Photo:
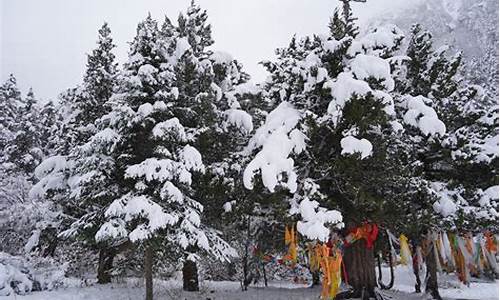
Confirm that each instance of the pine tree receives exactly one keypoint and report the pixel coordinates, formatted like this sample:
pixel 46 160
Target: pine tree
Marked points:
pixel 147 155
pixel 208 86
pixel 438 160
pixel 24 150
pixel 83 105
pixel 49 124
pixel 19 144
pixel 10 100
pixel 335 116
pixel 70 126
pixel 195 27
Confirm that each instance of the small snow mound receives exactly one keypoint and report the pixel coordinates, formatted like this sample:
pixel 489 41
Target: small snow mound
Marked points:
pixel 366 66
pixel 315 220
pixel 342 89
pixel 241 119
pixel 488 195
pixel 422 116
pixel 352 145
pixel 221 57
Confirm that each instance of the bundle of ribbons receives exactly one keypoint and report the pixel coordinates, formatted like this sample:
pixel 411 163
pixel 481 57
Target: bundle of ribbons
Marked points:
pixel 464 254
pixel 328 260
pixel 291 242
pixel 367 231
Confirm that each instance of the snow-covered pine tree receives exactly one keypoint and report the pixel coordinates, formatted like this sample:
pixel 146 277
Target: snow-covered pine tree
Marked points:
pixel 10 100
pixel 82 105
pixel 326 139
pixel 71 126
pixel 19 142
pixel 24 151
pixel 144 153
pixel 209 85
pixel 443 112
pixel 49 122
pixel 470 121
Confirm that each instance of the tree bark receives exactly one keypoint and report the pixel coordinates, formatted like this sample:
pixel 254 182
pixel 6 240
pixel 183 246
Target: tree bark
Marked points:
pixel 360 268
pixel 264 273
pixel 418 283
pixel 190 276
pixel 315 278
pixel 431 286
pixel 106 257
pixel 148 271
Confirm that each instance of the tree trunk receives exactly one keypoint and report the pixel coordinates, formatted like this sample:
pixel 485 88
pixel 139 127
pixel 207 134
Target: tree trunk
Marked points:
pixel 264 273
pixel 244 262
pixel 416 271
pixel 416 267
pixel 148 271
pixel 360 268
pixel 190 276
pixel 431 286
pixel 315 279
pixel 106 256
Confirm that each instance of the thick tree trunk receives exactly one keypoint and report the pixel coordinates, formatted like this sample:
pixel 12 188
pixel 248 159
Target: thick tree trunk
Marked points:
pixel 106 256
pixel 431 286
pixel 148 271
pixel 190 276
pixel 360 268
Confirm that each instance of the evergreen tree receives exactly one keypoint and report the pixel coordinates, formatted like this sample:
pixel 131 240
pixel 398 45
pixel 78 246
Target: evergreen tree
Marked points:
pixel 144 154
pixel 335 117
pixel 24 150
pixel 83 105
pixel 438 166
pixel 10 100
pixel 70 126
pixel 195 27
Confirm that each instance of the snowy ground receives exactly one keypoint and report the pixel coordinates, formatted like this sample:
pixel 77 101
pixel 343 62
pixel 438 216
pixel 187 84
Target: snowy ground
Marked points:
pixel 132 289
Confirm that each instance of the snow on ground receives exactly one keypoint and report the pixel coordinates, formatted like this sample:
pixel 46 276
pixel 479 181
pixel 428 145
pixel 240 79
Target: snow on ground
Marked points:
pixel 133 289
pixel 449 286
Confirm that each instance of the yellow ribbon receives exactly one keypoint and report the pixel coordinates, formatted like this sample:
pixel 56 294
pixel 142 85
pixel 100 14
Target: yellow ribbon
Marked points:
pixel 330 265
pixel 291 241
pixel 405 250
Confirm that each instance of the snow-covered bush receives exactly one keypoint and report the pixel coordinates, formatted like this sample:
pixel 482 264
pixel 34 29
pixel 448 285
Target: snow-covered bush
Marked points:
pixel 19 275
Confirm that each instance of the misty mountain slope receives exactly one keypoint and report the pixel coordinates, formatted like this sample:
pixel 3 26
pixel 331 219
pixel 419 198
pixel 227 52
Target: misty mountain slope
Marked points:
pixel 466 25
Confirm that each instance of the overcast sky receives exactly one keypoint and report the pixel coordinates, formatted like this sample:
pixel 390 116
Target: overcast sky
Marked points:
pixel 44 43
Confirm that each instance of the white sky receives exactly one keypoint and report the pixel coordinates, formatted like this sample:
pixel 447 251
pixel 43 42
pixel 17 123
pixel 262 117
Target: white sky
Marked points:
pixel 44 43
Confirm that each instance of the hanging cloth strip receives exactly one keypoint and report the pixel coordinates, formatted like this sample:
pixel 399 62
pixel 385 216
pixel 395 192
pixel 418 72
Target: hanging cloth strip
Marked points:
pixel 471 249
pixel 490 249
pixel 392 240
pixel 330 266
pixel 405 252
pixel 315 255
pixel 367 231
pixel 291 242
pixel 442 253
pixel 491 246
pixel 450 261
pixel 419 260
pixel 436 253
pixel 463 259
